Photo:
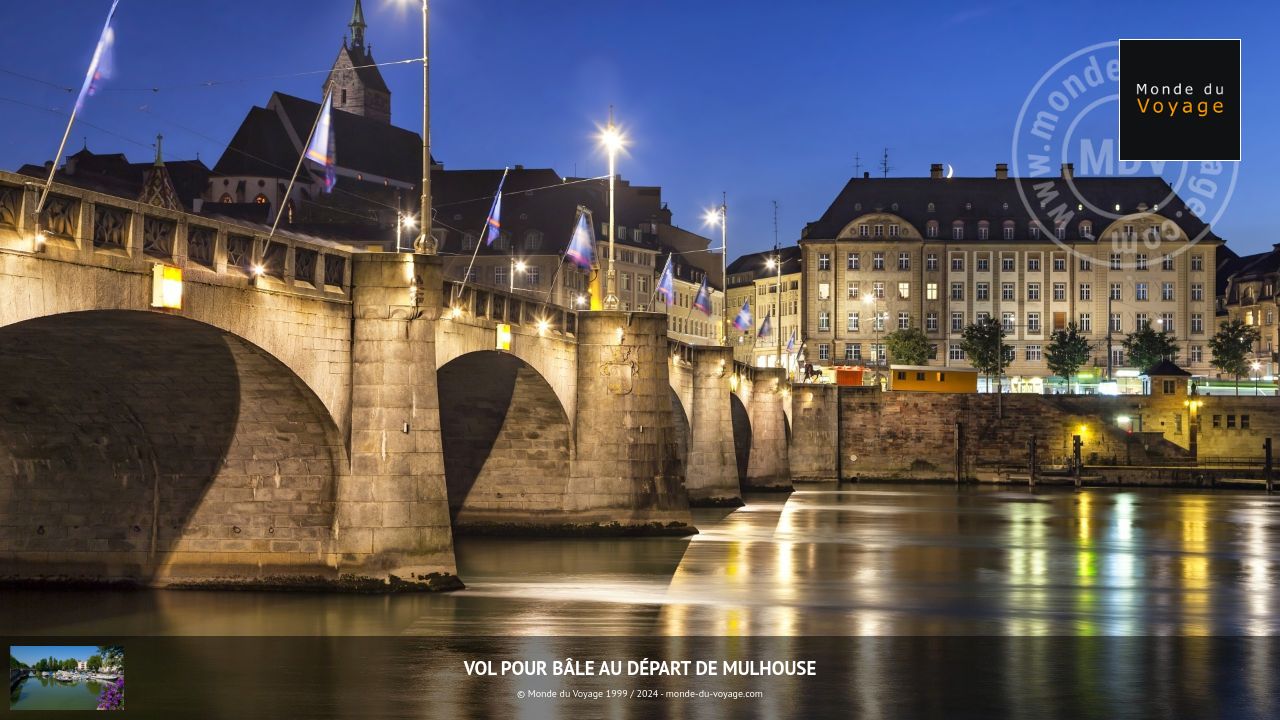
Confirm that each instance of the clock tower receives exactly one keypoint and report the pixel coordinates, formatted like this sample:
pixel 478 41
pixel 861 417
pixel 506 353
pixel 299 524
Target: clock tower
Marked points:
pixel 358 87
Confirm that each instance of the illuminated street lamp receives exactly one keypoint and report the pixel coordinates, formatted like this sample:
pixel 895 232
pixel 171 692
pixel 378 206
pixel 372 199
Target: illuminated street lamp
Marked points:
pixel 613 140
pixel 517 266
pixel 870 299
pixel 775 263
pixel 407 222
pixel 422 245
pixel 1257 367
pixel 720 216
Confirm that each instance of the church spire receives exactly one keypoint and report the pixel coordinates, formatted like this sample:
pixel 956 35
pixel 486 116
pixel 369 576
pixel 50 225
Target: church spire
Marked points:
pixel 357 26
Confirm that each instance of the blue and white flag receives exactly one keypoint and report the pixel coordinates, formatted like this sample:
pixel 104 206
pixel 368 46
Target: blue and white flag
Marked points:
pixel 791 341
pixel 702 301
pixel 100 65
pixel 582 248
pixel 666 284
pixel 320 149
pixel 766 327
pixel 493 225
pixel 743 321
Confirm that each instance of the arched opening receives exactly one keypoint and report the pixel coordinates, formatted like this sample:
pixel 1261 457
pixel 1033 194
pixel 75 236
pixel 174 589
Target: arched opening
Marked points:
pixel 506 441
pixel 135 445
pixel 741 435
pixel 680 429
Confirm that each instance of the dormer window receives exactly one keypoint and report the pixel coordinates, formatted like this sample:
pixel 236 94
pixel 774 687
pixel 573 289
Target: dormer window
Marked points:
pixel 1086 229
pixel 1007 229
pixel 984 230
pixel 931 207
pixel 957 230
pixel 931 227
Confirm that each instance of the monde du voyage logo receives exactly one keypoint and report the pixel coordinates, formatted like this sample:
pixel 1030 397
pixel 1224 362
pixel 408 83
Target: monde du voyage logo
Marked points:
pixel 1180 100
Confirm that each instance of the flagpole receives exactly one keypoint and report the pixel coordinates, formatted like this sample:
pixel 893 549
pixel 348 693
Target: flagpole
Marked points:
pixel 467 275
pixel 301 156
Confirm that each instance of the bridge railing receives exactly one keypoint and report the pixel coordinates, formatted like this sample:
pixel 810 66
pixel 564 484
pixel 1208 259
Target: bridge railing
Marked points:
pixel 487 303
pixel 93 228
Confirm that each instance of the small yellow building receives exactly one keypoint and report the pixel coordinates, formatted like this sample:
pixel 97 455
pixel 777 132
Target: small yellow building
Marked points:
pixel 923 378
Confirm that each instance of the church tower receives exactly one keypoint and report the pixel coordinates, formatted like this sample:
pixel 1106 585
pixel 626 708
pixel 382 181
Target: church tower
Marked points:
pixel 357 84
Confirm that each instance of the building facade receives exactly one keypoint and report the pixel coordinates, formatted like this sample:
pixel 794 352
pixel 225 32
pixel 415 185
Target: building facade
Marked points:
pixel 940 253
pixel 754 280
pixel 1249 295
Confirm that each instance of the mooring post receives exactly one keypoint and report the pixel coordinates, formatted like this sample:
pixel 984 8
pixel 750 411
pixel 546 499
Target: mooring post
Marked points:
pixel 959 445
pixel 1031 462
pixel 1076 445
pixel 1266 467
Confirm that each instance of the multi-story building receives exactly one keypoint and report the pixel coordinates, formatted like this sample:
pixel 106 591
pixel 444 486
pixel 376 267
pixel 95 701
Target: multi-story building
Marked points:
pixel 940 253
pixel 754 279
pixel 1249 294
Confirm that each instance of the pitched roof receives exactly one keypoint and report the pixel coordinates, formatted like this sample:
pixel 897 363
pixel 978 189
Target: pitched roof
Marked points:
pixel 755 266
pixel 366 68
pixel 263 146
pixel 972 199
pixel 1165 368
pixel 113 174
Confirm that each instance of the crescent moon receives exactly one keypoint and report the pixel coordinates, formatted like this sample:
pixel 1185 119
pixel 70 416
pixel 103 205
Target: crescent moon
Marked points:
pixel 950 171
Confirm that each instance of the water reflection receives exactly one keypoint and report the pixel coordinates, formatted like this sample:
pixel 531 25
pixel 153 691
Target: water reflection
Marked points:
pixel 827 560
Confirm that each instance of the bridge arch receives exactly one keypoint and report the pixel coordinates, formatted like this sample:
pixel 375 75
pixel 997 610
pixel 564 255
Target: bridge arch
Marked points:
pixel 145 446
pixel 507 441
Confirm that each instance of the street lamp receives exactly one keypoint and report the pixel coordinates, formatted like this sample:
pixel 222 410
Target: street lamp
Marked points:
pixel 407 222
pixel 775 263
pixel 613 140
pixel 517 266
pixel 720 216
pixel 870 299
pixel 422 244
pixel 1257 367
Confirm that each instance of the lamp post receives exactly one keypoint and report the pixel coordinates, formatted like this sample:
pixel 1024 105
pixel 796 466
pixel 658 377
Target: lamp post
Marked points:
pixel 720 216
pixel 870 299
pixel 517 266
pixel 775 263
pixel 1257 368
pixel 426 136
pixel 611 138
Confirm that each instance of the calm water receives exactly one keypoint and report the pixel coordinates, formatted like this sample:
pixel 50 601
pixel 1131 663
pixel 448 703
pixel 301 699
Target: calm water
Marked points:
pixel 1051 604
pixel 39 693
pixel 858 560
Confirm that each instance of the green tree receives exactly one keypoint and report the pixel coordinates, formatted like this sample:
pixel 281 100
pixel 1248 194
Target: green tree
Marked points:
pixel 1066 352
pixel 95 663
pixel 1147 347
pixel 907 347
pixel 983 343
pixel 112 655
pixel 1231 346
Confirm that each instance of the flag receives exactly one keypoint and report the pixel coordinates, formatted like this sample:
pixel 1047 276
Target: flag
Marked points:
pixel 666 284
pixel 493 225
pixel 702 300
pixel 743 320
pixel 320 149
pixel 582 247
pixel 100 65
pixel 791 341
pixel 766 327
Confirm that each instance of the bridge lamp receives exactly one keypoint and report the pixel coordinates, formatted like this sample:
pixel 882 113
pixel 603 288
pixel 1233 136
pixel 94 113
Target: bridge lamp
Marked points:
pixel 543 326
pixel 503 341
pixel 258 270
pixel 613 141
pixel 166 287
pixel 580 301
pixel 39 239
pixel 409 221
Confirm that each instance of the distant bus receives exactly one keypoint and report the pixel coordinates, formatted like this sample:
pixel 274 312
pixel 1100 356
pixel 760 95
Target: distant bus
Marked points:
pixel 922 378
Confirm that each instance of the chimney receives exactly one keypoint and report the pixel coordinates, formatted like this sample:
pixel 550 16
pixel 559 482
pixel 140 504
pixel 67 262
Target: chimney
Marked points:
pixel 866 174
pixel 935 171
pixel 1068 170
pixel 1002 171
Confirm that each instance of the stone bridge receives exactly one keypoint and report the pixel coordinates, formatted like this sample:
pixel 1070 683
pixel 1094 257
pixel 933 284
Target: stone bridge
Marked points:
pixel 316 414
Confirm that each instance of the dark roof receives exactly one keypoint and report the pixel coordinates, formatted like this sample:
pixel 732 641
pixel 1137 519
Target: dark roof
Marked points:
pixel 683 269
pixel 539 200
pixel 366 68
pixel 754 266
pixel 263 147
pixel 972 199
pixel 113 174
pixel 1166 368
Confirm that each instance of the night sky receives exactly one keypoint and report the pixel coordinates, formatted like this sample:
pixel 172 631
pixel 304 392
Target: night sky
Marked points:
pixel 763 100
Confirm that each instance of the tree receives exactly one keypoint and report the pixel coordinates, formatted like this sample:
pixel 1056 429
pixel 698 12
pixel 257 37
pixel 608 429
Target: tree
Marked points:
pixel 1147 347
pixel 1066 352
pixel 1231 346
pixel 95 663
pixel 112 655
pixel 983 344
pixel 907 347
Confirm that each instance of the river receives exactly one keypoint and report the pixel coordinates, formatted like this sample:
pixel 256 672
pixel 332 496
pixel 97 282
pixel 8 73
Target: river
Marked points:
pixel 893 569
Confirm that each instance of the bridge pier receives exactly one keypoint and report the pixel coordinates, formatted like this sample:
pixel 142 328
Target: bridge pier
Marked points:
pixel 391 523
pixel 768 467
pixel 625 471
pixel 711 473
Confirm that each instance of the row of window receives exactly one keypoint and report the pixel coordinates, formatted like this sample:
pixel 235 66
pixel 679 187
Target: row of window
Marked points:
pixel 1009 229
pixel 1141 261
pixel 1030 353
pixel 691 326
pixel 1032 325
pixel 1008 291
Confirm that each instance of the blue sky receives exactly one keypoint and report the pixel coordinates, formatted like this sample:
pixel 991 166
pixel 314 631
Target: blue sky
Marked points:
pixel 763 100
pixel 29 654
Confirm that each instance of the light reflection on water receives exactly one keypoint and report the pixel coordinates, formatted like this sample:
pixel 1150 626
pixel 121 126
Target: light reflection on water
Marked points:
pixel 853 560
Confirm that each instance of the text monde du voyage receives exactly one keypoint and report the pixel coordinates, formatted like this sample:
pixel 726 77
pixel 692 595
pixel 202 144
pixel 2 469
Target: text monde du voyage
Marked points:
pixel 1179 100
pixel 640 668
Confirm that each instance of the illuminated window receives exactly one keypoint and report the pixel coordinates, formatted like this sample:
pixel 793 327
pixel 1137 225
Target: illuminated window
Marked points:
pixel 261 199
